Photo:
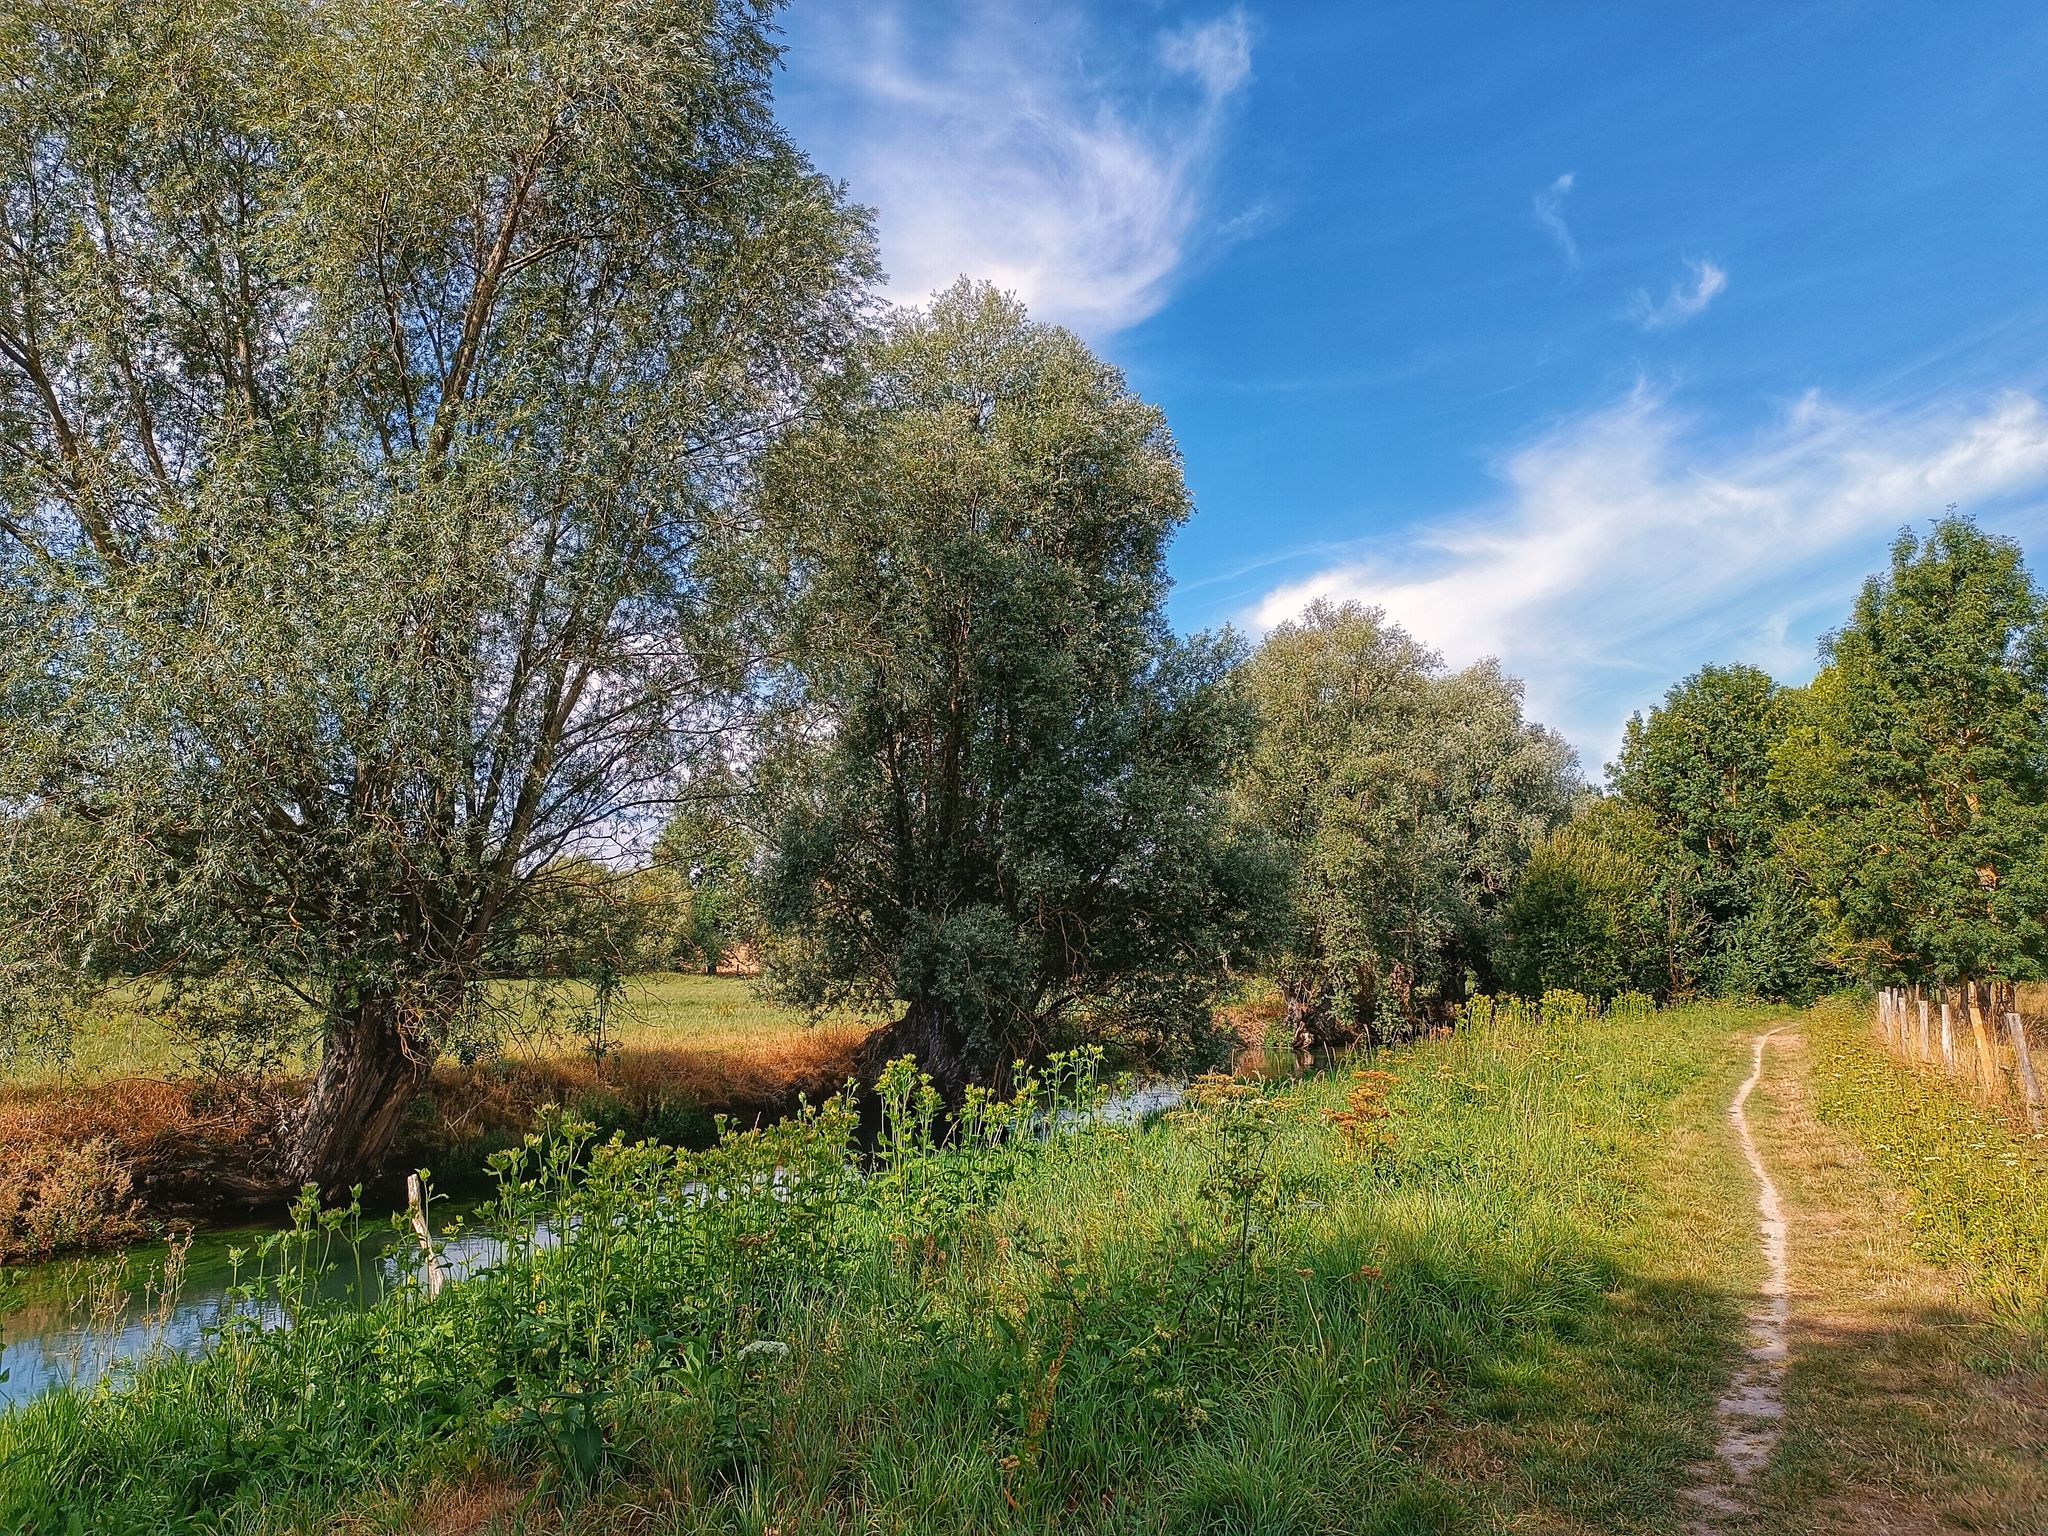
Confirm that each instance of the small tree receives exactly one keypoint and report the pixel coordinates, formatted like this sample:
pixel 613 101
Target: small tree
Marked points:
pixel 1586 914
pixel 1005 811
pixel 374 377
pixel 710 856
pixel 1403 800
pixel 1918 765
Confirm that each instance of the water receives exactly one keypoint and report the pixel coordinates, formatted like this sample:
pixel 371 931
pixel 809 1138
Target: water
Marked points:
pixel 51 1333
pixel 83 1320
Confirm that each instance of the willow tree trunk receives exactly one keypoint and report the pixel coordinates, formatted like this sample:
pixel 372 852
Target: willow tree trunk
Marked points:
pixel 943 1049
pixel 351 1113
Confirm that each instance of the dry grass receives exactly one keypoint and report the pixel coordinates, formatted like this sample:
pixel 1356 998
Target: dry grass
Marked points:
pixel 681 1049
pixel 1906 1409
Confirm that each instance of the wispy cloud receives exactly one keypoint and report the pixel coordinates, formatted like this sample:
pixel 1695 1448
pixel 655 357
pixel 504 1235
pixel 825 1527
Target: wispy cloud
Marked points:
pixel 1217 53
pixel 1687 300
pixel 1550 217
pixel 1630 547
pixel 1010 141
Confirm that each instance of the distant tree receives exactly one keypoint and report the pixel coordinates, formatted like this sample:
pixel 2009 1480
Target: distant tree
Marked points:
pixel 1917 763
pixel 1403 799
pixel 709 856
pixel 1586 915
pixel 1698 769
pixel 374 378
pixel 1007 813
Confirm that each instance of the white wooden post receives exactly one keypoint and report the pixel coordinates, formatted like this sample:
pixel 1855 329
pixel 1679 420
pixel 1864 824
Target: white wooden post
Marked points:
pixel 416 1200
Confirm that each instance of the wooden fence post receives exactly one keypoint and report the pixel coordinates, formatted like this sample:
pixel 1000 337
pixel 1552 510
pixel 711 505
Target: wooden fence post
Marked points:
pixel 1977 997
pixel 1948 1037
pixel 2030 1085
pixel 1926 1035
pixel 415 1198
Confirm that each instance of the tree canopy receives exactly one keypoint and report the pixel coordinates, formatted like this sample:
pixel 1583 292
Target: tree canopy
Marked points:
pixel 1403 799
pixel 1008 814
pixel 1917 766
pixel 374 381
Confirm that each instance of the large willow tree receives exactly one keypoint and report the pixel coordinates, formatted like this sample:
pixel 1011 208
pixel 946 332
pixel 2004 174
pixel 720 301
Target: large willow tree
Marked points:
pixel 373 375
pixel 1007 814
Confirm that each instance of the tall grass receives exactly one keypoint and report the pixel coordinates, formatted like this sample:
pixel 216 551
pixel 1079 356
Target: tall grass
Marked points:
pixel 1245 1317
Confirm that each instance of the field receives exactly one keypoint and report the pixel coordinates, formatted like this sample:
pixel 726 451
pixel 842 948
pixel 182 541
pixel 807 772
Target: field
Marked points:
pixel 716 1019
pixel 134 1120
pixel 1498 1288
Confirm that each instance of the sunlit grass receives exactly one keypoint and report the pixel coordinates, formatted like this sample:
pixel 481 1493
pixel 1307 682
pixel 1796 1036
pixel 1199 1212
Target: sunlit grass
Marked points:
pixel 1244 1318
pixel 126 1033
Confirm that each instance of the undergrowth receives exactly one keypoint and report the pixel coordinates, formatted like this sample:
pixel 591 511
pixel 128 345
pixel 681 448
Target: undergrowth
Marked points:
pixel 1362 1303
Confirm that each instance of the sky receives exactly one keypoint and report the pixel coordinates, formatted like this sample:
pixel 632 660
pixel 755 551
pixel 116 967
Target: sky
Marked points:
pixel 1610 339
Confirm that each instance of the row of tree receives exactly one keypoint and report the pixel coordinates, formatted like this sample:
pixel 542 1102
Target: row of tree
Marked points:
pixel 441 446
pixel 1886 824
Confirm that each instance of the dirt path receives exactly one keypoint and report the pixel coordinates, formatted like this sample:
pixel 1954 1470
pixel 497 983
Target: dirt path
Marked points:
pixel 1909 1411
pixel 1752 1410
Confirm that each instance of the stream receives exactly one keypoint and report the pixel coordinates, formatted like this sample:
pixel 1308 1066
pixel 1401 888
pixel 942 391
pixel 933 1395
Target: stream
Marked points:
pixel 77 1321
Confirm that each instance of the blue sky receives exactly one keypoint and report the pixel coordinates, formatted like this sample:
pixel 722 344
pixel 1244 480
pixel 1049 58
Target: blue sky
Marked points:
pixel 1608 338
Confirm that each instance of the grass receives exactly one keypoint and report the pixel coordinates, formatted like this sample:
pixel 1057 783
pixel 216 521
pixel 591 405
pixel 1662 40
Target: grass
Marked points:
pixel 1511 1304
pixel 126 1033
pixel 1916 1398
pixel 1974 1186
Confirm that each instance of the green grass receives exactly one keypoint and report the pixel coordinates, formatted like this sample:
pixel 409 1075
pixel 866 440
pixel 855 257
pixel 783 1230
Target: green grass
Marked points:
pixel 126 1032
pixel 1226 1322
pixel 1976 1186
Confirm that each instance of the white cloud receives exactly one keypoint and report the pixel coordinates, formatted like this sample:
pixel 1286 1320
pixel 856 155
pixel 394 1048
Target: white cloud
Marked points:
pixel 1629 548
pixel 1009 142
pixel 1550 217
pixel 1217 53
pixel 1685 301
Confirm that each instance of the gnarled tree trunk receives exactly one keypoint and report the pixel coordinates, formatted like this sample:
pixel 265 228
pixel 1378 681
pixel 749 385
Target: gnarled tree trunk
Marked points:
pixel 932 1034
pixel 351 1114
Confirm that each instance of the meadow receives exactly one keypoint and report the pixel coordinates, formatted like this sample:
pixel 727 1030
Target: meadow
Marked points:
pixel 1497 1283
pixel 134 1121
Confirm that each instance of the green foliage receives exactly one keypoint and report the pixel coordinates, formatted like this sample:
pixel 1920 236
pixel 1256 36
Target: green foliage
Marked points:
pixel 376 376
pixel 1584 913
pixel 708 858
pixel 1002 806
pixel 1738 920
pixel 1225 1321
pixel 1917 765
pixel 1404 801
pixel 1674 882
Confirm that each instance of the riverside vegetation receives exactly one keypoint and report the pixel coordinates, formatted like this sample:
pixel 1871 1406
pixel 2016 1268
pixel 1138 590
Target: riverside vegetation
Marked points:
pixel 1350 1302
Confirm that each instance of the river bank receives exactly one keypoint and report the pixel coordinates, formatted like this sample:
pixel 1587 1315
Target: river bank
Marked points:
pixel 101 1156
pixel 1393 1304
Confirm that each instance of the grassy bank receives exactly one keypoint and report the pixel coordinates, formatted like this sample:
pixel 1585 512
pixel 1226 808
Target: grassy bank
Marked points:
pixel 1974 1183
pixel 131 1128
pixel 1496 1302
pixel 1912 1403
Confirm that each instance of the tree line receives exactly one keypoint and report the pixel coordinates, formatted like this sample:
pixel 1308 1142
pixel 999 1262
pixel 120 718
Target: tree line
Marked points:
pixel 1885 825
pixel 447 451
